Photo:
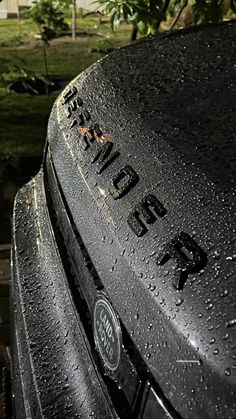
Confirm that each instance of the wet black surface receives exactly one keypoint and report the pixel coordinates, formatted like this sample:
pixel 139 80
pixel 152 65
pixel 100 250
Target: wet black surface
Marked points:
pixel 164 109
pixel 184 93
pixel 167 106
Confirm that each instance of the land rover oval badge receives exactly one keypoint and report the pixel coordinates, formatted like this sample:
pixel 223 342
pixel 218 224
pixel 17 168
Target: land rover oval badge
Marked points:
pixel 107 335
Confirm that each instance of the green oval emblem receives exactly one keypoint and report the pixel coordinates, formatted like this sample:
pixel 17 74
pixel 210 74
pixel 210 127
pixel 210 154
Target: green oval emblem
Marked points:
pixel 107 335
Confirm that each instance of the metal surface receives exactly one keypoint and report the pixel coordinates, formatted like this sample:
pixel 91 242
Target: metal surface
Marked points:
pixel 144 151
pixel 54 376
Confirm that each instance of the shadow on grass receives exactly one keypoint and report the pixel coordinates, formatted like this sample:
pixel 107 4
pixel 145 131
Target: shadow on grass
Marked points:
pixel 14 173
pixel 22 136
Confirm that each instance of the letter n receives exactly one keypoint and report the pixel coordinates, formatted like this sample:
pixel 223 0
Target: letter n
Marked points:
pixel 104 157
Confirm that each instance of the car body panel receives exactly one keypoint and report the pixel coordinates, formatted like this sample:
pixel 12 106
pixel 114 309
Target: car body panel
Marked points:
pixel 157 119
pixel 55 371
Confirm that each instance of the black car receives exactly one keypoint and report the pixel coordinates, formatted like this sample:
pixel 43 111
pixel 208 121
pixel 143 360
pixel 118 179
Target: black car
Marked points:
pixel 124 244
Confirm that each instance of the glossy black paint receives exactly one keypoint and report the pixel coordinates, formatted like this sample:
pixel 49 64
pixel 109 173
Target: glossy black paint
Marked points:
pixel 53 374
pixel 167 105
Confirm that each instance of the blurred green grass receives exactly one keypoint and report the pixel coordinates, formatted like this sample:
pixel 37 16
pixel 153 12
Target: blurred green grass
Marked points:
pixel 23 123
pixel 24 117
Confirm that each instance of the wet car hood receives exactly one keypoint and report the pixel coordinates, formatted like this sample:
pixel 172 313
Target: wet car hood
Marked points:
pixel 156 121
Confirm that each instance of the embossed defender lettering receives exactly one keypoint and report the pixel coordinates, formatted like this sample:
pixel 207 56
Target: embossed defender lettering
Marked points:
pixel 125 180
pixel 146 212
pixel 187 254
pixel 69 95
pixel 104 157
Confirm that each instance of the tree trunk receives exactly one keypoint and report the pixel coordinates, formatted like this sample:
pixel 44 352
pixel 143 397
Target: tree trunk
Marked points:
pixel 45 61
pixel 45 58
pixel 18 17
pixel 73 20
pixel 176 18
pixel 163 13
pixel 134 34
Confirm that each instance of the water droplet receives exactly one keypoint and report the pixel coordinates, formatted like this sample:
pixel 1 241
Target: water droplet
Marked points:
pixel 227 372
pixel 179 301
pixel 231 323
pixel 233 257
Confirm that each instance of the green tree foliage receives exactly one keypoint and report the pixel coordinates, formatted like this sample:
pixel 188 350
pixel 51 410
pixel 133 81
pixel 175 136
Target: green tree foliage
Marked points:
pixel 206 11
pixel 146 16
pixel 49 17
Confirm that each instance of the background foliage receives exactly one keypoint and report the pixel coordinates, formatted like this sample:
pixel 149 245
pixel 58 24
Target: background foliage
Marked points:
pixel 146 16
pixel 49 16
pixel 31 48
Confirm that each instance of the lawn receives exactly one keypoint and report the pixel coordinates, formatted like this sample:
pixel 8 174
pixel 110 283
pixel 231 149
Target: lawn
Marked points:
pixel 24 117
